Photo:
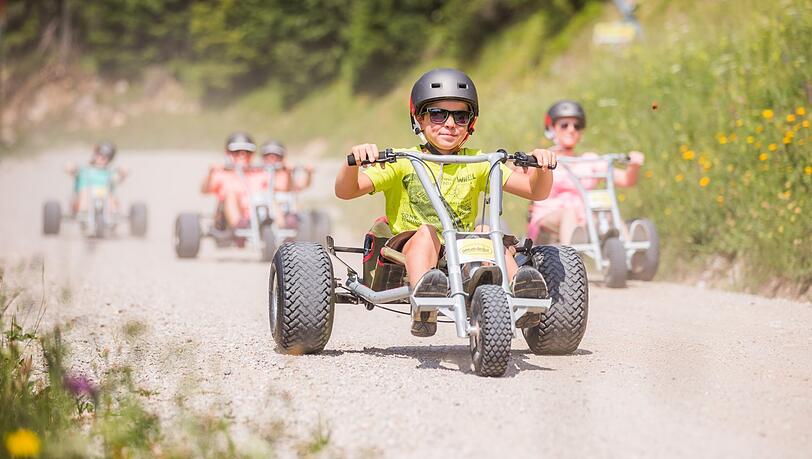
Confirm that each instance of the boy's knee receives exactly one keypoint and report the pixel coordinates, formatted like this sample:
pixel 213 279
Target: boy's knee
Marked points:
pixel 427 233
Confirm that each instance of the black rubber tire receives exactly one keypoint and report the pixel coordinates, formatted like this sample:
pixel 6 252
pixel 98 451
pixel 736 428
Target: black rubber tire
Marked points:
pixel 322 226
pixel 563 326
pixel 268 242
pixel 300 298
pixel 490 344
pixel 645 263
pixel 51 217
pixel 138 219
pixel 187 235
pixel 615 275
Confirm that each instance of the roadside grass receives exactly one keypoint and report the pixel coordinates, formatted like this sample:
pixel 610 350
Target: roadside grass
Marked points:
pixel 50 410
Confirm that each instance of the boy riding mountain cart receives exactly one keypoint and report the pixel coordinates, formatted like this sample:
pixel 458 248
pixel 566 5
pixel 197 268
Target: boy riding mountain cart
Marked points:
pixel 443 110
pixel 97 174
pixel 231 190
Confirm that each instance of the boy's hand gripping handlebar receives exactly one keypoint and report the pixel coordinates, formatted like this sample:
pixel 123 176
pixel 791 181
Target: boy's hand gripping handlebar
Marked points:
pixel 385 156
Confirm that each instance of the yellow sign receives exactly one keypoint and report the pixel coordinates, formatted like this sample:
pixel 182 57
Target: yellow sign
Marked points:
pixel 600 199
pixel 613 33
pixel 475 249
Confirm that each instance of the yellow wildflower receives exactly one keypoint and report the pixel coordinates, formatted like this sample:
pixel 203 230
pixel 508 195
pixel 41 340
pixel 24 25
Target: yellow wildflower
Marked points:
pixel 22 443
pixel 808 170
pixel 722 139
pixel 679 177
pixel 763 157
pixel 800 111
pixel 739 123
pixel 649 174
pixel 720 199
pixel 787 140
pixel 704 181
pixel 772 147
pixel 759 129
pixel 688 155
pixel 732 137
pixel 621 197
pixel 805 124
pixel 790 118
pixel 767 114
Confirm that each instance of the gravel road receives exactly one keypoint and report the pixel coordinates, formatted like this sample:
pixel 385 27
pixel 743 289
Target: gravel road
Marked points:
pixel 664 369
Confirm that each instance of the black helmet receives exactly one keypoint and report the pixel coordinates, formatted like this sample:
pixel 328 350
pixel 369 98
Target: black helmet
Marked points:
pixel 106 148
pixel 443 84
pixel 273 147
pixel 564 109
pixel 238 141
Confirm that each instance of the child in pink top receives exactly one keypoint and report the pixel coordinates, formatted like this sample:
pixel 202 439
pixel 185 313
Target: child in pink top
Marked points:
pixel 563 211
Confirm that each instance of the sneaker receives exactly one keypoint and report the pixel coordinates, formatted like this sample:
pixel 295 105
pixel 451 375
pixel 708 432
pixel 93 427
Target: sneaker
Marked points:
pixel 433 284
pixel 529 283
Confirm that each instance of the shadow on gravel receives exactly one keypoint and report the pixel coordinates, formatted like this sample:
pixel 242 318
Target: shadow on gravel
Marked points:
pixel 439 357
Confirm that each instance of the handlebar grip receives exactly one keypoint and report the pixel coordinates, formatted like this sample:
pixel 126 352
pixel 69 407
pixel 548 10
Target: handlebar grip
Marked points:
pixel 531 161
pixel 383 157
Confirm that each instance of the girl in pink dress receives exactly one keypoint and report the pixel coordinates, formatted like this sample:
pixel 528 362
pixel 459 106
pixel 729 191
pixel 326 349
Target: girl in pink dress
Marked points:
pixel 564 211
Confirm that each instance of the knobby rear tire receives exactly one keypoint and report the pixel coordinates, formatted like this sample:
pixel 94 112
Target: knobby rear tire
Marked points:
pixel 563 326
pixel 300 297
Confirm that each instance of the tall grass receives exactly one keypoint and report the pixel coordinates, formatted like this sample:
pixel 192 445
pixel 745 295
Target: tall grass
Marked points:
pixel 721 107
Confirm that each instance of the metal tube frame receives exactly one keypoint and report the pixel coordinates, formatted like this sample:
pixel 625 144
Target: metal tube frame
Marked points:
pixel 593 248
pixel 454 306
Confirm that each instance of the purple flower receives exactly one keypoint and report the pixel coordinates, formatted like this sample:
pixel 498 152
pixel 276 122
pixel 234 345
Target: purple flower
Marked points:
pixel 80 385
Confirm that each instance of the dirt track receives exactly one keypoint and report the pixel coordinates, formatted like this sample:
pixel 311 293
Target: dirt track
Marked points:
pixel 664 369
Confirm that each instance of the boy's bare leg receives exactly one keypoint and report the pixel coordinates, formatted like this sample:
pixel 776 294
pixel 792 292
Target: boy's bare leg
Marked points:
pixel 231 209
pixel 422 253
pixel 568 224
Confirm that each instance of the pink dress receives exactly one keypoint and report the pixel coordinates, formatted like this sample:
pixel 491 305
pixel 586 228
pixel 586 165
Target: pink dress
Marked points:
pixel 564 194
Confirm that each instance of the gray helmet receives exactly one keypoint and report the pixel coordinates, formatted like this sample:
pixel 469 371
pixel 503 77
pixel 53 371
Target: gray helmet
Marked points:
pixel 564 109
pixel 238 141
pixel 273 147
pixel 106 148
pixel 443 84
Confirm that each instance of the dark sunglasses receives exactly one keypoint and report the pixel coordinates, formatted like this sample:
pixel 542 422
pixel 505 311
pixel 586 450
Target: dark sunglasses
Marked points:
pixel 440 115
pixel 568 124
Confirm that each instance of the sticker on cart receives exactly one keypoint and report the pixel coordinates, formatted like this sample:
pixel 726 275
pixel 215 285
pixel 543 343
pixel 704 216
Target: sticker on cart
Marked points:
pixel 600 199
pixel 475 249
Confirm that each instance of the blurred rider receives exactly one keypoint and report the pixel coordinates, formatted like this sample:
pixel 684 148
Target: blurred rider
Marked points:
pixel 443 109
pixel 97 174
pixel 564 211
pixel 287 178
pixel 225 183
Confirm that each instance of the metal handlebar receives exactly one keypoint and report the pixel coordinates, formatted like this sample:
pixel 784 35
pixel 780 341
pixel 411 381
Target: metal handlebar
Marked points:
pixel 519 158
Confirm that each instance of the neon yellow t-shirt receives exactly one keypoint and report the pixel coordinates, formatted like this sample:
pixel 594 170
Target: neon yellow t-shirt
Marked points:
pixel 407 204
